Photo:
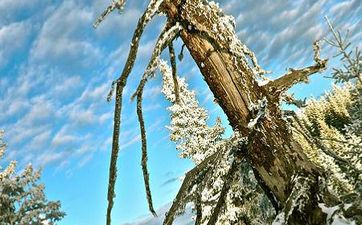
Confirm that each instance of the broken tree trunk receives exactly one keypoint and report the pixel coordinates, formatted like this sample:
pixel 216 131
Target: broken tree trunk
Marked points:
pixel 283 170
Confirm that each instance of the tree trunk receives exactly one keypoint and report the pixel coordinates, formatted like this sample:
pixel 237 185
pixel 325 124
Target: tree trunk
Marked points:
pixel 279 163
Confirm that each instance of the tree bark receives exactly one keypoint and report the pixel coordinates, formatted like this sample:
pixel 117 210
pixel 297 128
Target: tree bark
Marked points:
pixel 279 163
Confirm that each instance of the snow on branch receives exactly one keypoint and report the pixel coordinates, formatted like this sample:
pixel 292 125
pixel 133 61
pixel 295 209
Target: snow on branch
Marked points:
pixel 291 100
pixel 116 4
pixel 297 200
pixel 166 37
pixel 260 110
pixel 146 176
pixel 192 178
pixel 298 126
pixel 293 77
pixel 225 189
pixel 352 64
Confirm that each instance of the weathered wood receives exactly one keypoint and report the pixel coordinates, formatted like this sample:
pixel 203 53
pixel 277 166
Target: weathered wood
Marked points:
pixel 277 159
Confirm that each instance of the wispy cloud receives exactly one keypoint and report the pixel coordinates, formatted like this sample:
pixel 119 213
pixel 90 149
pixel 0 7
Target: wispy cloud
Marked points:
pixel 284 31
pixel 53 96
pixel 18 31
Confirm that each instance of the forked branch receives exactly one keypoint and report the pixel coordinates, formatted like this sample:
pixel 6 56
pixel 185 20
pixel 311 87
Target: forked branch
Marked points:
pixel 293 77
pixel 166 37
pixel 149 13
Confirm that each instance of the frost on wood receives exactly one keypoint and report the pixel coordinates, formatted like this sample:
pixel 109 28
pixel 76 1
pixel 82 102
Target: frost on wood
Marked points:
pixel 260 110
pixel 220 28
pixel 116 4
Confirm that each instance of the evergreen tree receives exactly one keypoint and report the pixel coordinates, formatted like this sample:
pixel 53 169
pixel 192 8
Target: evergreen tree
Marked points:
pixel 22 199
pixel 330 130
pixel 195 139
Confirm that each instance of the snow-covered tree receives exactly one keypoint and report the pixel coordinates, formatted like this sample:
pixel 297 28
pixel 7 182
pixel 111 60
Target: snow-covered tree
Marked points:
pixel 294 183
pixel 330 131
pixel 22 199
pixel 245 202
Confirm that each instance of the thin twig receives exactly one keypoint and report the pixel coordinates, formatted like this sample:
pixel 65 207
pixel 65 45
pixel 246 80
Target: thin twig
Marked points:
pixel 118 4
pixel 174 72
pixel 146 176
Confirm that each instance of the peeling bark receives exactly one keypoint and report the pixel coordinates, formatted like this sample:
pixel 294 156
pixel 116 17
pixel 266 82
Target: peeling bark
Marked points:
pixel 275 156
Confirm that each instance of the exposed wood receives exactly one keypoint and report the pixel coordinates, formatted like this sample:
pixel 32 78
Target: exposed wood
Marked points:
pixel 275 156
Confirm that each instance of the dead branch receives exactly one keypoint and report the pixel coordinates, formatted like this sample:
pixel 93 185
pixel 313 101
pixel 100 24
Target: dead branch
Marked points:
pixel 149 13
pixel 174 72
pixel 290 100
pixel 293 77
pixel 118 4
pixel 146 176
pixel 166 37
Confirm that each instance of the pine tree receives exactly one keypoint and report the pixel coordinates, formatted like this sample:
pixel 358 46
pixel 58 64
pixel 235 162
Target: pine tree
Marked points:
pixel 330 130
pixel 22 199
pixel 195 139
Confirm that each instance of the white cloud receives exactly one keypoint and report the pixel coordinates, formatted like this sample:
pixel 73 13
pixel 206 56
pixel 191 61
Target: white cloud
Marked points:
pixel 12 39
pixel 10 9
pixel 284 31
pixel 63 84
pixel 61 40
pixel 61 139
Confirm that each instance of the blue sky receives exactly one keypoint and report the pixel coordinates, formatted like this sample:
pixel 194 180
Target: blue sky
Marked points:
pixel 56 71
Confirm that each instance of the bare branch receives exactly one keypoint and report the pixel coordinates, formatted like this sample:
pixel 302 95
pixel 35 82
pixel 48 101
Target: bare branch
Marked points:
pixel 293 77
pixel 146 176
pixel 181 55
pixel 353 65
pixel 121 83
pixel 166 37
pixel 174 71
pixel 118 4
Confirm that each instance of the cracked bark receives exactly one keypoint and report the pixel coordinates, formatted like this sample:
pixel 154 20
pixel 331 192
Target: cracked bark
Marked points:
pixel 276 158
